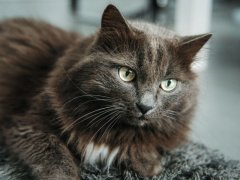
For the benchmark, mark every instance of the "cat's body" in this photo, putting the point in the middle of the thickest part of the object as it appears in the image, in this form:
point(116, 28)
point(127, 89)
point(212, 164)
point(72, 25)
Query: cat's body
point(28, 53)
point(62, 102)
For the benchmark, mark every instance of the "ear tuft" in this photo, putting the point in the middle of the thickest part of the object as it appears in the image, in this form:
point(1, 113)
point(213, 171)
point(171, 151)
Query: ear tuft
point(113, 19)
point(190, 45)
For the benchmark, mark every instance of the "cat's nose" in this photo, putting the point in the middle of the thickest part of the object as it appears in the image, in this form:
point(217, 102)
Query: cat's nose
point(146, 102)
point(143, 108)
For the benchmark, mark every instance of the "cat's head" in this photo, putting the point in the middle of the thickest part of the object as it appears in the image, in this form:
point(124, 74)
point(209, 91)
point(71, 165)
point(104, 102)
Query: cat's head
point(131, 74)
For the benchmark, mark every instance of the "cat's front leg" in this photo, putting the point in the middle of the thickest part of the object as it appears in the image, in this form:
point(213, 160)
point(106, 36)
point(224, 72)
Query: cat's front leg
point(48, 157)
point(146, 162)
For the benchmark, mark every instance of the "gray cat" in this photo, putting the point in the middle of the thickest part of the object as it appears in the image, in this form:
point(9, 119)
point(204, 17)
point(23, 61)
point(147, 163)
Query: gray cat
point(120, 97)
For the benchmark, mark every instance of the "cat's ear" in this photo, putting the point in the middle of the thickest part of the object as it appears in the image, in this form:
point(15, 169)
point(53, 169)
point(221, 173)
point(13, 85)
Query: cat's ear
point(112, 19)
point(190, 45)
point(114, 30)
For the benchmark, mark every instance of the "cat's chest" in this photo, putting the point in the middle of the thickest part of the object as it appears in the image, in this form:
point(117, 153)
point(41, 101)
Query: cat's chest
point(95, 153)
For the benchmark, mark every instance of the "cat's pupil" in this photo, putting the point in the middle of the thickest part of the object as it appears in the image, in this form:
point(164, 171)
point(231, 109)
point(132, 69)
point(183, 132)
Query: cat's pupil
point(127, 73)
point(169, 83)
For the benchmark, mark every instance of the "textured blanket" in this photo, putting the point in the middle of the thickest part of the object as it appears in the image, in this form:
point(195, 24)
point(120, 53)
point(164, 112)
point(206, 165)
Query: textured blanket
point(191, 161)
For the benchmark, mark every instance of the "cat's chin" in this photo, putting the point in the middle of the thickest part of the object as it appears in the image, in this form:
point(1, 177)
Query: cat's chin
point(138, 122)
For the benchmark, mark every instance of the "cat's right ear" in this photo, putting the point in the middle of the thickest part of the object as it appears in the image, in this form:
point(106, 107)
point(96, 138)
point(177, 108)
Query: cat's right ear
point(113, 20)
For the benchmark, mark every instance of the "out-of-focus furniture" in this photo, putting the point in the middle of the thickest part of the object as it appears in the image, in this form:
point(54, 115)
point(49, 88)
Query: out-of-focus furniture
point(154, 5)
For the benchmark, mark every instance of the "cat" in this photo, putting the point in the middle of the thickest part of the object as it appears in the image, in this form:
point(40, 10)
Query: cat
point(121, 96)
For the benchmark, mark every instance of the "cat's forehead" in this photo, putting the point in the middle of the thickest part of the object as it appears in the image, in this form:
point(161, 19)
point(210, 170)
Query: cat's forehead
point(147, 48)
point(152, 50)
point(153, 30)
point(155, 39)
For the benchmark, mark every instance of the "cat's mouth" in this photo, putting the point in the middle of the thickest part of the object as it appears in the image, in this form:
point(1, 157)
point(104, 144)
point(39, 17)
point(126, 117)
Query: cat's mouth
point(142, 121)
point(138, 121)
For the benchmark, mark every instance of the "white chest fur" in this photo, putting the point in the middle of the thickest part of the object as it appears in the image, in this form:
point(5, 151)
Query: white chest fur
point(100, 153)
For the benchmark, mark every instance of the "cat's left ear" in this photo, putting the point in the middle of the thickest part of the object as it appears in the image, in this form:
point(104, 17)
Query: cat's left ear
point(112, 19)
point(190, 45)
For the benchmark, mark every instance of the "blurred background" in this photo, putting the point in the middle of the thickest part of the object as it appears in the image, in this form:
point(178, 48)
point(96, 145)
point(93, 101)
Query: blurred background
point(217, 121)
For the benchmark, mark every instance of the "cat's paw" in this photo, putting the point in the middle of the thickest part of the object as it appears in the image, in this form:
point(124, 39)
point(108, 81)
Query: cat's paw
point(148, 169)
point(60, 177)
point(57, 174)
point(143, 161)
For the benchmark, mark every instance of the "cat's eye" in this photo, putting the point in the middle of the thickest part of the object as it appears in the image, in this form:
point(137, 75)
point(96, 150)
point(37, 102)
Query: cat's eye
point(169, 84)
point(126, 74)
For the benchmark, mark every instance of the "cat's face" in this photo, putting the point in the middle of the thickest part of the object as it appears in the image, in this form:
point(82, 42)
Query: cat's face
point(133, 74)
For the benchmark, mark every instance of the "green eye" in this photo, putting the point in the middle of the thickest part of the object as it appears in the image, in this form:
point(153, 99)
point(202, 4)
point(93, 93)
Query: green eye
point(126, 74)
point(169, 84)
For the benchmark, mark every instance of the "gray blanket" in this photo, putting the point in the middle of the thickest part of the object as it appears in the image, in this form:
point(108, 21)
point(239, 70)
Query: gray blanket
point(191, 161)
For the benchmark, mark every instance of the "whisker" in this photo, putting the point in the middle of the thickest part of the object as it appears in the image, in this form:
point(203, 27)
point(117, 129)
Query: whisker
point(102, 118)
point(97, 117)
point(108, 128)
point(101, 113)
point(81, 104)
point(116, 121)
point(71, 124)
point(72, 99)
point(172, 112)
point(165, 115)
point(108, 99)
point(67, 75)
point(97, 114)
point(170, 117)
point(99, 129)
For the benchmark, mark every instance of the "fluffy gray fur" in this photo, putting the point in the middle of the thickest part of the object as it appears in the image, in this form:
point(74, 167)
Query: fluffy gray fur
point(191, 161)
